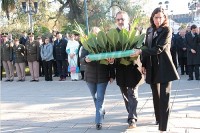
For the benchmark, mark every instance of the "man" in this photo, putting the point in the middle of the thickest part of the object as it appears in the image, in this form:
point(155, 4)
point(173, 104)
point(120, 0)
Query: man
point(193, 52)
point(182, 51)
point(23, 39)
point(60, 55)
point(41, 68)
point(32, 51)
point(7, 57)
point(127, 77)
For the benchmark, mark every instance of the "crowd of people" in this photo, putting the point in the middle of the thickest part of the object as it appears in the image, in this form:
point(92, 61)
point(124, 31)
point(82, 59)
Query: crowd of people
point(44, 56)
point(185, 51)
point(67, 57)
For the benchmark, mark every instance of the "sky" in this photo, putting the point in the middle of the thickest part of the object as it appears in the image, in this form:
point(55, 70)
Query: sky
point(178, 6)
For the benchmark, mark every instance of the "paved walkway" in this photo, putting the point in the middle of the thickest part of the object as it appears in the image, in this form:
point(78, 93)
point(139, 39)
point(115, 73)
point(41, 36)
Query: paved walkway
point(67, 107)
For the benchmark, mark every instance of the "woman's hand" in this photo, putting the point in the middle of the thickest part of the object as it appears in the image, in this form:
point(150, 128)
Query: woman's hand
point(110, 60)
point(136, 53)
point(111, 80)
point(72, 55)
point(87, 59)
point(143, 70)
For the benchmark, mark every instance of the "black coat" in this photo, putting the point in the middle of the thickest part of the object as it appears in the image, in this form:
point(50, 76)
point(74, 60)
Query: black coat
point(127, 76)
point(59, 50)
point(157, 57)
point(180, 43)
point(193, 43)
point(96, 72)
point(23, 40)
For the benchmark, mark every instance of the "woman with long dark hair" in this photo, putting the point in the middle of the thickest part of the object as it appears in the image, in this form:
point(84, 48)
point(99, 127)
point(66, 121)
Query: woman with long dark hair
point(158, 66)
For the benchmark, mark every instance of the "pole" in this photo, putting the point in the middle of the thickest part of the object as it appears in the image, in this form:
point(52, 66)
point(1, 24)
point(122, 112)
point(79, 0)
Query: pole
point(30, 17)
point(86, 17)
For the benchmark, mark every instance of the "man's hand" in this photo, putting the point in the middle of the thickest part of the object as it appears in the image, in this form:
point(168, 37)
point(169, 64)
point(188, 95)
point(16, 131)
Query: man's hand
point(184, 49)
point(193, 51)
point(110, 60)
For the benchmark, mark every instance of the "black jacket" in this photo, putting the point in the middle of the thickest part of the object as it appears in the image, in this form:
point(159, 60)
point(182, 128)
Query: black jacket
point(157, 57)
point(59, 50)
point(193, 43)
point(23, 40)
point(180, 43)
point(96, 72)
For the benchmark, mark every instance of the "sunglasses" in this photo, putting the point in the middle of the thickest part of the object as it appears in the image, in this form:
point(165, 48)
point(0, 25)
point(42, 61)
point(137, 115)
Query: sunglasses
point(122, 19)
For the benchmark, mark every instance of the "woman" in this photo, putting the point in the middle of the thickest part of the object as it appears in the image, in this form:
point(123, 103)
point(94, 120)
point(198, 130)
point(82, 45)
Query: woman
point(46, 53)
point(19, 52)
point(72, 51)
point(97, 77)
point(158, 66)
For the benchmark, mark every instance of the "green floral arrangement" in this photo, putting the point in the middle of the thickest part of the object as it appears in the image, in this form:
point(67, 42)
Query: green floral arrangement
point(112, 44)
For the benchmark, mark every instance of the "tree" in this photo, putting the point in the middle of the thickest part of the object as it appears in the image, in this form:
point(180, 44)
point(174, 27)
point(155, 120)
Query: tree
point(8, 6)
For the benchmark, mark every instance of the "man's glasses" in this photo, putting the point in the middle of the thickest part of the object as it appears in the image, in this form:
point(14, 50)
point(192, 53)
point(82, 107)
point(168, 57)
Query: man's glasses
point(122, 19)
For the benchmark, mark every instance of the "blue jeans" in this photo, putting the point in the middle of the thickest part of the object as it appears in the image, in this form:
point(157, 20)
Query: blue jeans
point(97, 91)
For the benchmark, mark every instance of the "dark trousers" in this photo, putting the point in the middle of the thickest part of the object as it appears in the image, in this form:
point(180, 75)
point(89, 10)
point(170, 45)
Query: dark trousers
point(55, 70)
point(48, 70)
point(1, 71)
point(195, 69)
point(183, 64)
point(82, 74)
point(161, 94)
point(41, 68)
point(62, 68)
point(130, 96)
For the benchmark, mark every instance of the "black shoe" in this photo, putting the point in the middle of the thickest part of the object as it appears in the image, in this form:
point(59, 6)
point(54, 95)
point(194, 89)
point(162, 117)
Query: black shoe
point(32, 80)
point(190, 79)
point(11, 80)
point(197, 79)
point(36, 80)
point(19, 80)
point(22, 80)
point(131, 124)
point(7, 80)
point(99, 126)
point(156, 123)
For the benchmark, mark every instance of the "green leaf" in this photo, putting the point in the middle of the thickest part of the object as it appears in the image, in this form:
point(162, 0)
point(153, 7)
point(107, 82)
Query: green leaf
point(140, 40)
point(123, 38)
point(102, 40)
point(105, 62)
point(92, 42)
point(125, 62)
point(85, 44)
point(113, 38)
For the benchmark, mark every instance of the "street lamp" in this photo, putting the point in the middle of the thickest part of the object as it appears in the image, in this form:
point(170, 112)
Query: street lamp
point(27, 8)
point(86, 17)
point(166, 4)
point(192, 6)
